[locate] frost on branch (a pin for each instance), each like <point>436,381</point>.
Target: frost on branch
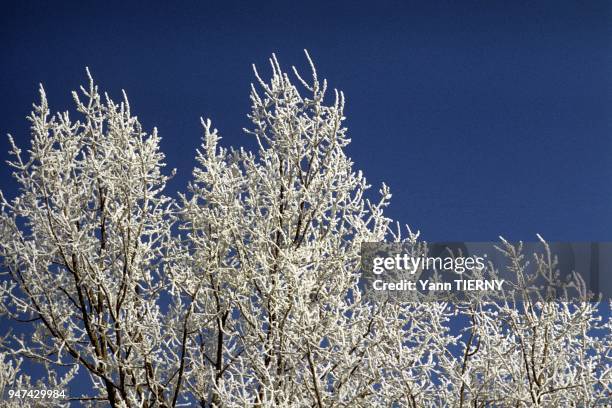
<point>271,268</point>
<point>245,291</point>
<point>273,239</point>
<point>83,247</point>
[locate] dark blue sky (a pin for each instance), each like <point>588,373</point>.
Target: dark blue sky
<point>485,118</point>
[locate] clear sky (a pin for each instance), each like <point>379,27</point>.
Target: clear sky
<point>484,117</point>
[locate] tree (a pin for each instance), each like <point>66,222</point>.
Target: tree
<point>274,240</point>
<point>524,349</point>
<point>83,246</point>
<point>246,290</point>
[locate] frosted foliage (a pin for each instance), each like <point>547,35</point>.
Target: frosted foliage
<point>273,237</point>
<point>244,291</point>
<point>83,249</point>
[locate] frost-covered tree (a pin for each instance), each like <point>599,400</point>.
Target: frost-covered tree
<point>246,290</point>
<point>523,348</point>
<point>273,240</point>
<point>82,247</point>
<point>271,264</point>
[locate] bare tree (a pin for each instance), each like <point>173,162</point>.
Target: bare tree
<point>83,245</point>
<point>274,238</point>
<point>246,290</point>
<point>523,348</point>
